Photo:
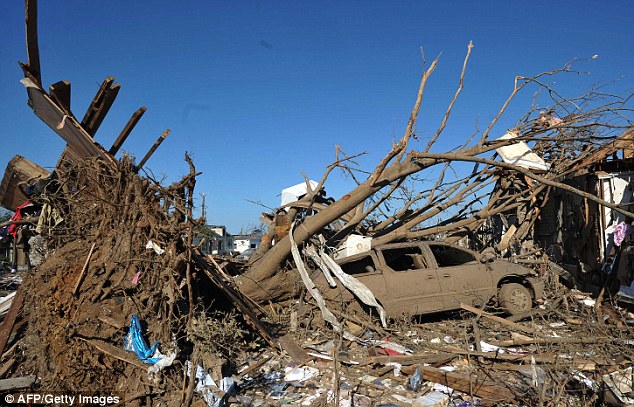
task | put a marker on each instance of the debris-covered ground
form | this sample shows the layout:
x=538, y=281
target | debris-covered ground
x=506, y=285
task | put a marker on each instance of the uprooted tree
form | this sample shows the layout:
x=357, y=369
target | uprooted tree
x=567, y=133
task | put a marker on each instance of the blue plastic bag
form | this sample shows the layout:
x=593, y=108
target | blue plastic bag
x=134, y=342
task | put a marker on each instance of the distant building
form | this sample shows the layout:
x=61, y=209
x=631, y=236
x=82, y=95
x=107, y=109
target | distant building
x=216, y=240
x=243, y=242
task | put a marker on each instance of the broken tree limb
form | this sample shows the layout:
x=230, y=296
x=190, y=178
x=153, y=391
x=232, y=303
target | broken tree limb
x=453, y=101
x=514, y=325
x=32, y=220
x=551, y=340
x=471, y=158
x=408, y=359
x=551, y=358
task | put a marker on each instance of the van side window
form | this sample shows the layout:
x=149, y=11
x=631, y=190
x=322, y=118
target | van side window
x=362, y=265
x=404, y=258
x=447, y=256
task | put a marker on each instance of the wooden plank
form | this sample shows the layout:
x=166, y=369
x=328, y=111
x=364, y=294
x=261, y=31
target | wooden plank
x=136, y=116
x=16, y=383
x=60, y=93
x=472, y=385
x=97, y=100
x=32, y=47
x=65, y=126
x=80, y=278
x=100, y=106
x=116, y=352
x=9, y=321
x=156, y=145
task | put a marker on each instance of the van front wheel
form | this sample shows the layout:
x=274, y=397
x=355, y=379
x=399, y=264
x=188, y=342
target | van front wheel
x=515, y=298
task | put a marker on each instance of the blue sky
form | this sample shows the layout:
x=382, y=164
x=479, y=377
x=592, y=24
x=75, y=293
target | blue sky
x=261, y=92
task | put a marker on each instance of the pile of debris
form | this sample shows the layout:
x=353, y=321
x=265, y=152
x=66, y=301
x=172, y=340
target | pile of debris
x=115, y=297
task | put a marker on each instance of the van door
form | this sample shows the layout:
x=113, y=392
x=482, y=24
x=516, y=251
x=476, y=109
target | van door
x=461, y=276
x=412, y=285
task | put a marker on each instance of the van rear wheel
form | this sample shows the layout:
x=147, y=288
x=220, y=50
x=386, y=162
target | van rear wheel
x=515, y=298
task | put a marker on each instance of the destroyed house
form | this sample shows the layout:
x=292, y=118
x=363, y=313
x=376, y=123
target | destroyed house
x=587, y=237
x=575, y=231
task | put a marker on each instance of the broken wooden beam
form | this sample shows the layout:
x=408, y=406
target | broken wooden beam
x=100, y=106
x=156, y=145
x=472, y=385
x=115, y=352
x=17, y=383
x=136, y=116
x=80, y=278
x=67, y=127
x=60, y=93
x=9, y=321
x=32, y=47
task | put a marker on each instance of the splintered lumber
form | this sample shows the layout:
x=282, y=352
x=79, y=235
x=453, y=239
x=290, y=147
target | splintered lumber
x=100, y=106
x=60, y=92
x=156, y=145
x=495, y=318
x=64, y=125
x=16, y=383
x=9, y=321
x=246, y=308
x=80, y=278
x=136, y=116
x=115, y=352
x=32, y=46
x=473, y=385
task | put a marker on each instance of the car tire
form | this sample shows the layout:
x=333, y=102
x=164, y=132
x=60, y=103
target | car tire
x=515, y=298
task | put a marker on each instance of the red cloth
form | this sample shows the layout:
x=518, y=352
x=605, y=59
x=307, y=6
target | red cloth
x=13, y=229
